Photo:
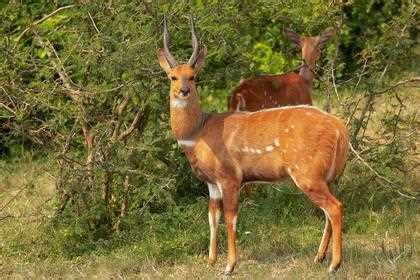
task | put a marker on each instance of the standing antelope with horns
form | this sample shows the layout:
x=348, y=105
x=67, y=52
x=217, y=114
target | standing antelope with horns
x=227, y=149
x=268, y=91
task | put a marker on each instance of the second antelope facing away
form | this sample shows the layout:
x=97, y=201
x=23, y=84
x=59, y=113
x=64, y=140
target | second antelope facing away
x=268, y=91
x=228, y=149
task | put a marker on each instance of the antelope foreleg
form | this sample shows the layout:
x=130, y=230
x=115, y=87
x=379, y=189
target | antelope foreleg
x=215, y=209
x=230, y=212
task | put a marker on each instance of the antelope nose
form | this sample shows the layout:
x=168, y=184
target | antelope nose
x=184, y=92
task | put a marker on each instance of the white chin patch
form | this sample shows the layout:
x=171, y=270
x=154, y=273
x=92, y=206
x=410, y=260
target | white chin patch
x=178, y=103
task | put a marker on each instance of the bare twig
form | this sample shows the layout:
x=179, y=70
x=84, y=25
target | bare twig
x=122, y=105
x=403, y=82
x=41, y=20
x=334, y=84
x=368, y=166
x=124, y=204
x=6, y=216
x=93, y=22
x=114, y=89
x=337, y=46
x=58, y=66
x=377, y=174
x=365, y=110
x=133, y=126
x=13, y=198
x=8, y=108
x=118, y=111
x=354, y=111
x=361, y=74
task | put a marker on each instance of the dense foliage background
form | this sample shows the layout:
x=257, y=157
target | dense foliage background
x=82, y=93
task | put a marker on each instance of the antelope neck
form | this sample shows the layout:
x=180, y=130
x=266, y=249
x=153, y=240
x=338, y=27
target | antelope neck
x=188, y=120
x=306, y=71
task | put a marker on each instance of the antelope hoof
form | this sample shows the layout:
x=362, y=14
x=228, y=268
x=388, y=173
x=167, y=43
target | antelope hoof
x=333, y=268
x=319, y=258
x=212, y=260
x=229, y=269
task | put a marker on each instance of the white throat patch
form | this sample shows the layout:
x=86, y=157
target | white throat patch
x=178, y=103
x=186, y=143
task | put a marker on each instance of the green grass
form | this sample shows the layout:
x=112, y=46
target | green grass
x=278, y=235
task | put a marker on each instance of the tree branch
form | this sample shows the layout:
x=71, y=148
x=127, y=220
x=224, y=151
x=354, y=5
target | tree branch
x=41, y=20
x=403, y=82
x=93, y=22
x=8, y=108
x=119, y=110
x=377, y=174
x=58, y=66
x=133, y=126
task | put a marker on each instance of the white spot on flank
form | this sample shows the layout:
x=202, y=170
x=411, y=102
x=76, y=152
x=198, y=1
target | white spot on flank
x=245, y=149
x=178, y=103
x=286, y=130
x=258, y=151
x=291, y=108
x=276, y=142
x=186, y=143
x=308, y=113
x=292, y=126
x=251, y=150
x=269, y=148
x=214, y=192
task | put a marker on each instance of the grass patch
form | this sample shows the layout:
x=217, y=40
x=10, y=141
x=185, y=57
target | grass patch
x=278, y=234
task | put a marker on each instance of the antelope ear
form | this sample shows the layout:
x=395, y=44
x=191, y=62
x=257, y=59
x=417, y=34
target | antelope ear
x=163, y=62
x=199, y=62
x=325, y=36
x=293, y=37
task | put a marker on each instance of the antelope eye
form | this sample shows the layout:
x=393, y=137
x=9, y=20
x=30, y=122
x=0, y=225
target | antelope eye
x=191, y=78
x=173, y=78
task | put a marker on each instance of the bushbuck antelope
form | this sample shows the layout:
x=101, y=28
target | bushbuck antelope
x=227, y=149
x=268, y=91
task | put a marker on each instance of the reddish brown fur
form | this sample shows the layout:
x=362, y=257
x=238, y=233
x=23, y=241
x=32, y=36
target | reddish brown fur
x=228, y=149
x=268, y=91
